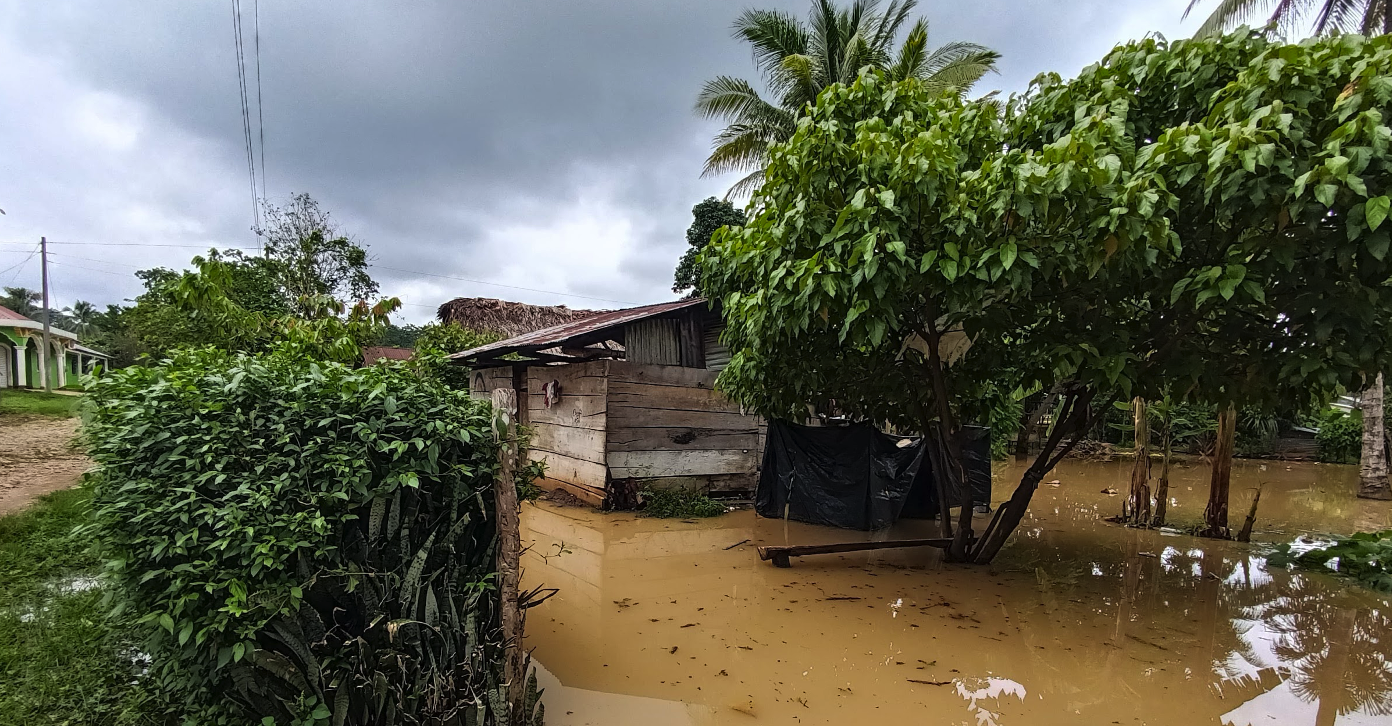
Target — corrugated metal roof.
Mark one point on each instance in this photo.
(8, 314)
(558, 335)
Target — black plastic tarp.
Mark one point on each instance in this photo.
(858, 477)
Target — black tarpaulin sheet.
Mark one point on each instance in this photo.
(922, 502)
(857, 477)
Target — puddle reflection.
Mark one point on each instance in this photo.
(1078, 621)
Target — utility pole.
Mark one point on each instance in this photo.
(48, 319)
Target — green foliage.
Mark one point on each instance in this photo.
(798, 61)
(1365, 557)
(708, 216)
(1004, 412)
(59, 654)
(157, 324)
(438, 340)
(399, 336)
(22, 300)
(22, 402)
(1201, 217)
(679, 504)
(1340, 437)
(311, 257)
(1325, 17)
(326, 333)
(300, 540)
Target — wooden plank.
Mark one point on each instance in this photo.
(652, 342)
(780, 553)
(686, 398)
(632, 417)
(578, 443)
(571, 470)
(581, 379)
(575, 411)
(622, 370)
(709, 483)
(674, 438)
(649, 464)
(593, 497)
(689, 338)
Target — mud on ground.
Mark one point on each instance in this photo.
(37, 456)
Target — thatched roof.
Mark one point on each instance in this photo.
(509, 319)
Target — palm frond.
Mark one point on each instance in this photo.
(1228, 15)
(773, 34)
(733, 99)
(746, 186)
(802, 81)
(912, 54)
(957, 71)
(826, 42)
(743, 146)
(1341, 16)
(891, 21)
(955, 55)
(1377, 20)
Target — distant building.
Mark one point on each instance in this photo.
(21, 343)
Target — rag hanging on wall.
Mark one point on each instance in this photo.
(551, 393)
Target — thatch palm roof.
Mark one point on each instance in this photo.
(509, 319)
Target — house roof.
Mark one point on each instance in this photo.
(12, 319)
(89, 351)
(372, 354)
(486, 314)
(596, 328)
(8, 314)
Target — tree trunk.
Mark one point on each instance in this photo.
(1139, 499)
(1074, 419)
(1216, 513)
(509, 546)
(1162, 490)
(1245, 534)
(1372, 464)
(947, 431)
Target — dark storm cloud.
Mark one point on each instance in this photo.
(548, 145)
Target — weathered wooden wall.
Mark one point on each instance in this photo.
(654, 341)
(667, 426)
(569, 436)
(482, 382)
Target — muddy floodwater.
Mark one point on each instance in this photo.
(1077, 622)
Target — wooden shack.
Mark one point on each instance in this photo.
(626, 399)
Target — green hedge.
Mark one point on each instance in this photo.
(302, 542)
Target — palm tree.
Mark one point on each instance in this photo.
(22, 300)
(1323, 17)
(799, 60)
(83, 314)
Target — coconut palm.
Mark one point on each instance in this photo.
(83, 315)
(1290, 17)
(21, 300)
(799, 60)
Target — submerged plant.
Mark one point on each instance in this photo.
(1365, 557)
(679, 504)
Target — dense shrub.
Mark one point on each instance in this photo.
(1340, 437)
(302, 541)
(679, 504)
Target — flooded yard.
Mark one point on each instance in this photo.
(1077, 621)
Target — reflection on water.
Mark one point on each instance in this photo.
(1079, 621)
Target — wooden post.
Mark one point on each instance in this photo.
(45, 351)
(1246, 534)
(1216, 513)
(1162, 490)
(509, 545)
(1139, 498)
(1372, 463)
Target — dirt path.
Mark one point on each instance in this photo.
(36, 457)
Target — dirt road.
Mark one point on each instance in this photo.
(36, 457)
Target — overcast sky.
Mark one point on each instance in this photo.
(541, 145)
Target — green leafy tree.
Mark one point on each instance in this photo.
(311, 257)
(22, 300)
(83, 316)
(1164, 222)
(708, 216)
(400, 336)
(1323, 17)
(799, 60)
(438, 340)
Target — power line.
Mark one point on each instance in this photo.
(91, 269)
(246, 109)
(260, 115)
(138, 244)
(22, 263)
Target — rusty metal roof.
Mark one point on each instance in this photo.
(560, 335)
(8, 314)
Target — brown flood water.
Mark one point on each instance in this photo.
(1077, 622)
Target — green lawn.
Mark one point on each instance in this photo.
(37, 403)
(61, 661)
